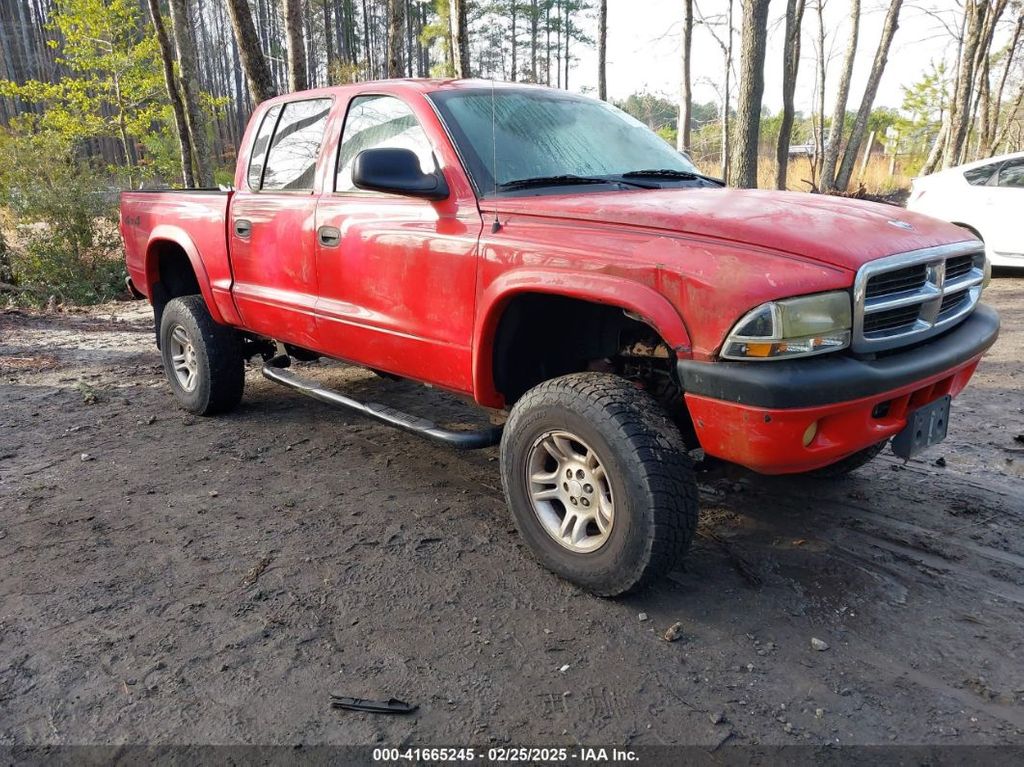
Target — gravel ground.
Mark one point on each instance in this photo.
(170, 579)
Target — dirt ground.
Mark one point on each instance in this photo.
(171, 579)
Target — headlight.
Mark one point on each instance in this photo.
(794, 327)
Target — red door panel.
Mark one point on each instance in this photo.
(275, 265)
(397, 292)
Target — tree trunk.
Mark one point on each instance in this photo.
(819, 129)
(513, 10)
(297, 80)
(547, 44)
(329, 41)
(860, 123)
(194, 118)
(751, 90)
(534, 23)
(995, 108)
(790, 69)
(602, 51)
(460, 38)
(935, 153)
(686, 86)
(396, 28)
(726, 138)
(835, 134)
(975, 12)
(167, 58)
(257, 73)
(567, 40)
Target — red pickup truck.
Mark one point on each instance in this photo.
(548, 255)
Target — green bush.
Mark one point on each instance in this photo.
(62, 216)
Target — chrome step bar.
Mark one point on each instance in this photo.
(461, 440)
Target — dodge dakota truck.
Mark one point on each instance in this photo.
(547, 255)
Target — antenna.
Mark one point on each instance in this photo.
(496, 226)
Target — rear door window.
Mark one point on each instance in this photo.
(259, 147)
(291, 162)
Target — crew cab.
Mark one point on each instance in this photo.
(547, 255)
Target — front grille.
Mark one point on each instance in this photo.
(907, 298)
(952, 302)
(908, 278)
(891, 319)
(958, 266)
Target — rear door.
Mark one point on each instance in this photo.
(271, 230)
(397, 275)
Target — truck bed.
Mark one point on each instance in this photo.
(195, 218)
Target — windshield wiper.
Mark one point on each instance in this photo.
(682, 175)
(563, 180)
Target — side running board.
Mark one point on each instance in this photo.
(462, 440)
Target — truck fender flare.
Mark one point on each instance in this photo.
(178, 236)
(639, 299)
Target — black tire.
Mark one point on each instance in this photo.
(219, 363)
(646, 468)
(848, 464)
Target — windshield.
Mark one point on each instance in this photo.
(546, 134)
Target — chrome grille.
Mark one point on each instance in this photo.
(907, 298)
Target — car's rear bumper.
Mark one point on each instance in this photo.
(759, 414)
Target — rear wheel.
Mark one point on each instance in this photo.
(202, 359)
(598, 482)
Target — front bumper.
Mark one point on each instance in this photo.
(759, 414)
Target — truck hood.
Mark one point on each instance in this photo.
(837, 231)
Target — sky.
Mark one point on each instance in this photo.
(645, 40)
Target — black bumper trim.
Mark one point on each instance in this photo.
(829, 379)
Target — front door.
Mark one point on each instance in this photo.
(397, 275)
(271, 231)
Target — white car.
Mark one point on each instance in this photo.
(986, 197)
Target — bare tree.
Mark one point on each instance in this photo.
(818, 127)
(297, 79)
(686, 87)
(460, 37)
(995, 108)
(835, 134)
(534, 26)
(257, 73)
(726, 45)
(790, 69)
(167, 58)
(602, 51)
(975, 13)
(194, 118)
(982, 88)
(396, 29)
(860, 123)
(751, 89)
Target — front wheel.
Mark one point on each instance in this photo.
(598, 482)
(202, 359)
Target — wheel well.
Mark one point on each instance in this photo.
(175, 277)
(970, 229)
(542, 336)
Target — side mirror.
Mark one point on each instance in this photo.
(397, 171)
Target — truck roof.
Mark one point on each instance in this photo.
(407, 84)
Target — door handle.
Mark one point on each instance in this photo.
(329, 236)
(243, 228)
